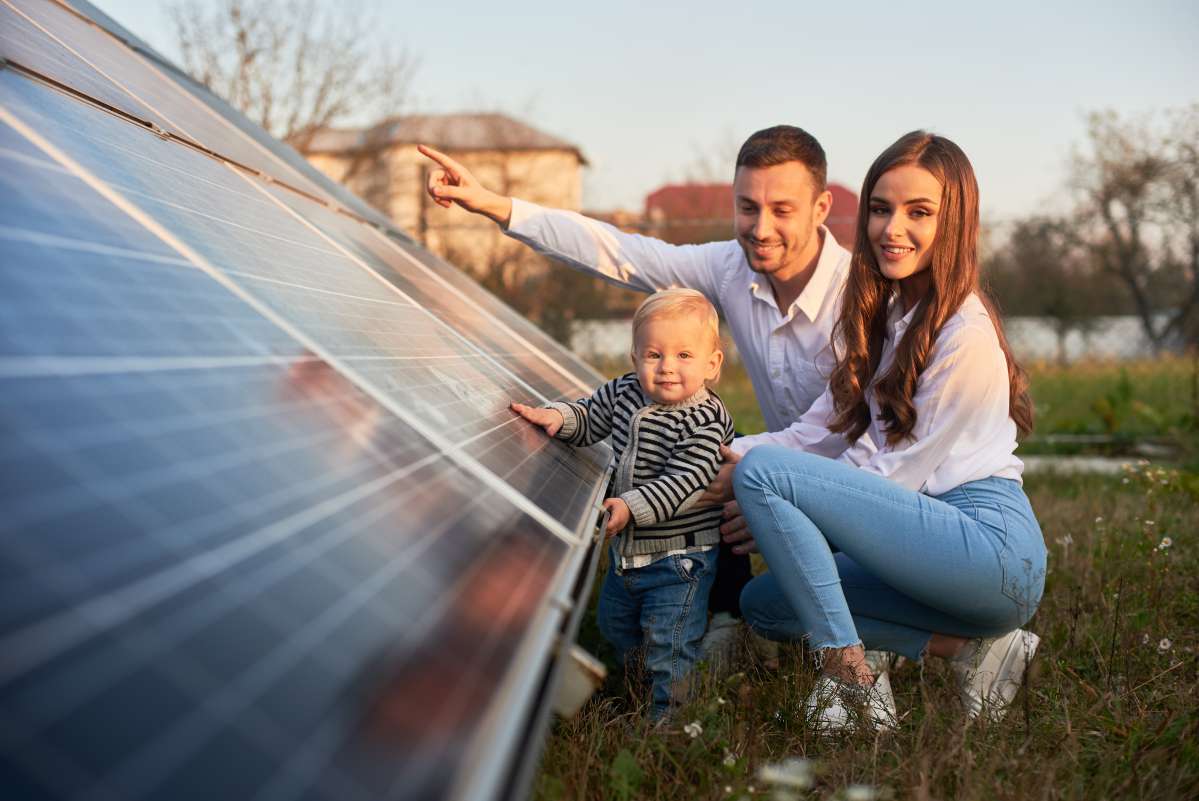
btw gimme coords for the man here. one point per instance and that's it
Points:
(777, 285)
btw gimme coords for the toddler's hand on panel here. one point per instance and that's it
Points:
(548, 419)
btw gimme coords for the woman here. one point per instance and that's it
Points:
(893, 512)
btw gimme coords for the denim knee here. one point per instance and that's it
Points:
(758, 464)
(768, 612)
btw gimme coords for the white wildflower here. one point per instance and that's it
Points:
(1065, 541)
(1150, 523)
(694, 729)
(1165, 543)
(730, 759)
(720, 701)
(1098, 520)
(1164, 645)
(1144, 639)
(1124, 481)
(860, 792)
(795, 773)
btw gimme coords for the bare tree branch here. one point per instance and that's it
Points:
(1136, 188)
(294, 66)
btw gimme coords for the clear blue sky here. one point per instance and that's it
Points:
(644, 89)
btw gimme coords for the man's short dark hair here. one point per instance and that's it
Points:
(782, 143)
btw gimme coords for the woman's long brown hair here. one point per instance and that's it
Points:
(862, 325)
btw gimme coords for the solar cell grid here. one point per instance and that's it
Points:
(223, 570)
(466, 317)
(398, 347)
(585, 375)
(543, 470)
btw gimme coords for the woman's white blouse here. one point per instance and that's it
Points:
(964, 431)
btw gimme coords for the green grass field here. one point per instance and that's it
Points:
(1110, 711)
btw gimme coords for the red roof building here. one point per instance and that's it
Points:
(843, 218)
(704, 212)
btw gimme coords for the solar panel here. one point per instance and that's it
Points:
(269, 528)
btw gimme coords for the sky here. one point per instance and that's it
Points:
(647, 91)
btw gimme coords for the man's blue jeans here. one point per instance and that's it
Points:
(663, 609)
(855, 557)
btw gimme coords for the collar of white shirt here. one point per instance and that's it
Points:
(897, 319)
(813, 297)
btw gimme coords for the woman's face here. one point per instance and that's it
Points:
(903, 221)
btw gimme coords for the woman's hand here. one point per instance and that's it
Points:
(549, 419)
(618, 516)
(453, 184)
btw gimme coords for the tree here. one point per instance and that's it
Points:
(1137, 214)
(293, 66)
(1043, 270)
(1181, 204)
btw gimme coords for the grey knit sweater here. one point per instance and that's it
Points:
(665, 457)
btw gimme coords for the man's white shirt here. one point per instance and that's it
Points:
(786, 354)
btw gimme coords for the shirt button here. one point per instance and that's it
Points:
(775, 374)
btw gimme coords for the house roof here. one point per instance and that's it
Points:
(691, 202)
(451, 132)
(843, 218)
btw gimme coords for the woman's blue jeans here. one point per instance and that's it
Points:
(659, 612)
(856, 558)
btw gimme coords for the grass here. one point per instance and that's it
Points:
(1112, 408)
(1109, 712)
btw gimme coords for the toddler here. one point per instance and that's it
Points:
(666, 428)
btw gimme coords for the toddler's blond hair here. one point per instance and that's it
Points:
(675, 303)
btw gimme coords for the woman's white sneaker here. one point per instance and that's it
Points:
(991, 671)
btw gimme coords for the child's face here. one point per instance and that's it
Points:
(673, 357)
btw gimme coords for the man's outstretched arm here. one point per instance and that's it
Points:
(630, 260)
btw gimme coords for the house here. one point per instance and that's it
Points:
(381, 164)
(688, 213)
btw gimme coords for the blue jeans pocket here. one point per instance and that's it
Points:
(693, 567)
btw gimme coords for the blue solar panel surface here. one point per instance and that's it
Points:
(270, 530)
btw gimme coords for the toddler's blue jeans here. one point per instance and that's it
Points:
(857, 558)
(663, 609)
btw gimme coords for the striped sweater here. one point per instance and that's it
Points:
(665, 457)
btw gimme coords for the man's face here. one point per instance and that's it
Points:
(777, 213)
